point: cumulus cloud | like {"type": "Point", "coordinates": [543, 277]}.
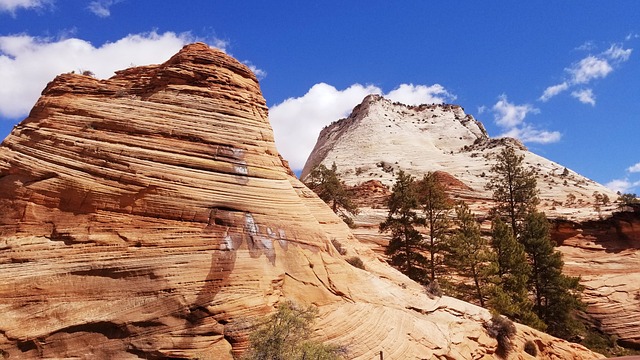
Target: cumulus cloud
{"type": "Point", "coordinates": [554, 90]}
{"type": "Point", "coordinates": [528, 134]}
{"type": "Point", "coordinates": [23, 75]}
{"type": "Point", "coordinates": [297, 122]}
{"type": "Point", "coordinates": [626, 185]}
{"type": "Point", "coordinates": [510, 117]}
{"type": "Point", "coordinates": [11, 6]}
{"type": "Point", "coordinates": [102, 8]}
{"type": "Point", "coordinates": [585, 96]}
{"type": "Point", "coordinates": [586, 70]}
{"type": "Point", "coordinates": [419, 94]}
{"type": "Point", "coordinates": [622, 185]}
{"type": "Point", "coordinates": [634, 169]}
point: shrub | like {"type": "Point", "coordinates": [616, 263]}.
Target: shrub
{"type": "Point", "coordinates": [531, 348]}
{"type": "Point", "coordinates": [502, 329]}
{"type": "Point", "coordinates": [336, 244]}
{"type": "Point", "coordinates": [433, 289]}
{"type": "Point", "coordinates": [285, 335]}
{"type": "Point", "coordinates": [356, 262]}
{"type": "Point", "coordinates": [349, 221]}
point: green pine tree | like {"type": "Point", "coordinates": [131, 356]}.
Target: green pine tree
{"type": "Point", "coordinates": [514, 188]}
{"type": "Point", "coordinates": [469, 252]}
{"type": "Point", "coordinates": [437, 206]}
{"type": "Point", "coordinates": [331, 189]}
{"type": "Point", "coordinates": [557, 296]}
{"type": "Point", "coordinates": [509, 295]}
{"type": "Point", "coordinates": [406, 242]}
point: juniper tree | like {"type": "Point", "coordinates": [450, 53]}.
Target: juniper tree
{"type": "Point", "coordinates": [556, 296]}
{"type": "Point", "coordinates": [600, 200]}
{"type": "Point", "coordinates": [331, 189]}
{"type": "Point", "coordinates": [406, 244]}
{"type": "Point", "coordinates": [285, 336]}
{"type": "Point", "coordinates": [514, 187]}
{"type": "Point", "coordinates": [436, 206]}
{"type": "Point", "coordinates": [470, 253]}
{"type": "Point", "coordinates": [626, 200]}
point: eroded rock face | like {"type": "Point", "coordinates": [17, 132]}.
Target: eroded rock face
{"type": "Point", "coordinates": [606, 253]}
{"type": "Point", "coordinates": [150, 216]}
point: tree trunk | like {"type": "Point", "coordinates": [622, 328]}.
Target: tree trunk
{"type": "Point", "coordinates": [476, 280]}
{"type": "Point", "coordinates": [407, 251]}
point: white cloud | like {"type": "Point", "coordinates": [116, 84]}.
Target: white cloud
{"type": "Point", "coordinates": [625, 185]}
{"type": "Point", "coordinates": [617, 53]}
{"type": "Point", "coordinates": [634, 168]}
{"type": "Point", "coordinates": [297, 122]}
{"type": "Point", "coordinates": [11, 6]}
{"type": "Point", "coordinates": [528, 134]}
{"type": "Point", "coordinates": [553, 90]}
{"type": "Point", "coordinates": [586, 46]}
{"type": "Point", "coordinates": [260, 74]}
{"type": "Point", "coordinates": [508, 115]}
{"type": "Point", "coordinates": [102, 8]}
{"type": "Point", "coordinates": [585, 96]}
{"type": "Point", "coordinates": [420, 94]}
{"type": "Point", "coordinates": [632, 36]}
{"type": "Point", "coordinates": [28, 63]}
{"type": "Point", "coordinates": [622, 185]}
{"type": "Point", "coordinates": [588, 69]}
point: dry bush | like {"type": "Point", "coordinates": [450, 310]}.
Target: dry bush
{"type": "Point", "coordinates": [502, 329]}
{"type": "Point", "coordinates": [433, 289]}
{"type": "Point", "coordinates": [336, 244]}
{"type": "Point", "coordinates": [356, 262]}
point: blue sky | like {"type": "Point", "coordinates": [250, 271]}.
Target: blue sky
{"type": "Point", "coordinates": [563, 76]}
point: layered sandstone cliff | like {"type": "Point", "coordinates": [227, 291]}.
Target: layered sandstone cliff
{"type": "Point", "coordinates": [606, 253]}
{"type": "Point", "coordinates": [150, 216]}
{"type": "Point", "coordinates": [381, 137]}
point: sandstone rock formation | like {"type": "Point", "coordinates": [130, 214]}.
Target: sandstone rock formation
{"type": "Point", "coordinates": [606, 253]}
{"type": "Point", "coordinates": [150, 216]}
{"type": "Point", "coordinates": [381, 137]}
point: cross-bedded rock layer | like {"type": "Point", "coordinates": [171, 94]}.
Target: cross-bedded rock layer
{"type": "Point", "coordinates": [150, 216]}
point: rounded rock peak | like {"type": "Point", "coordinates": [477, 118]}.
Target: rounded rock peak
{"type": "Point", "coordinates": [200, 54]}
{"type": "Point", "coordinates": [196, 65]}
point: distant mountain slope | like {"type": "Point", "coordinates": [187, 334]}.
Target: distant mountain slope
{"type": "Point", "coordinates": [380, 137]}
